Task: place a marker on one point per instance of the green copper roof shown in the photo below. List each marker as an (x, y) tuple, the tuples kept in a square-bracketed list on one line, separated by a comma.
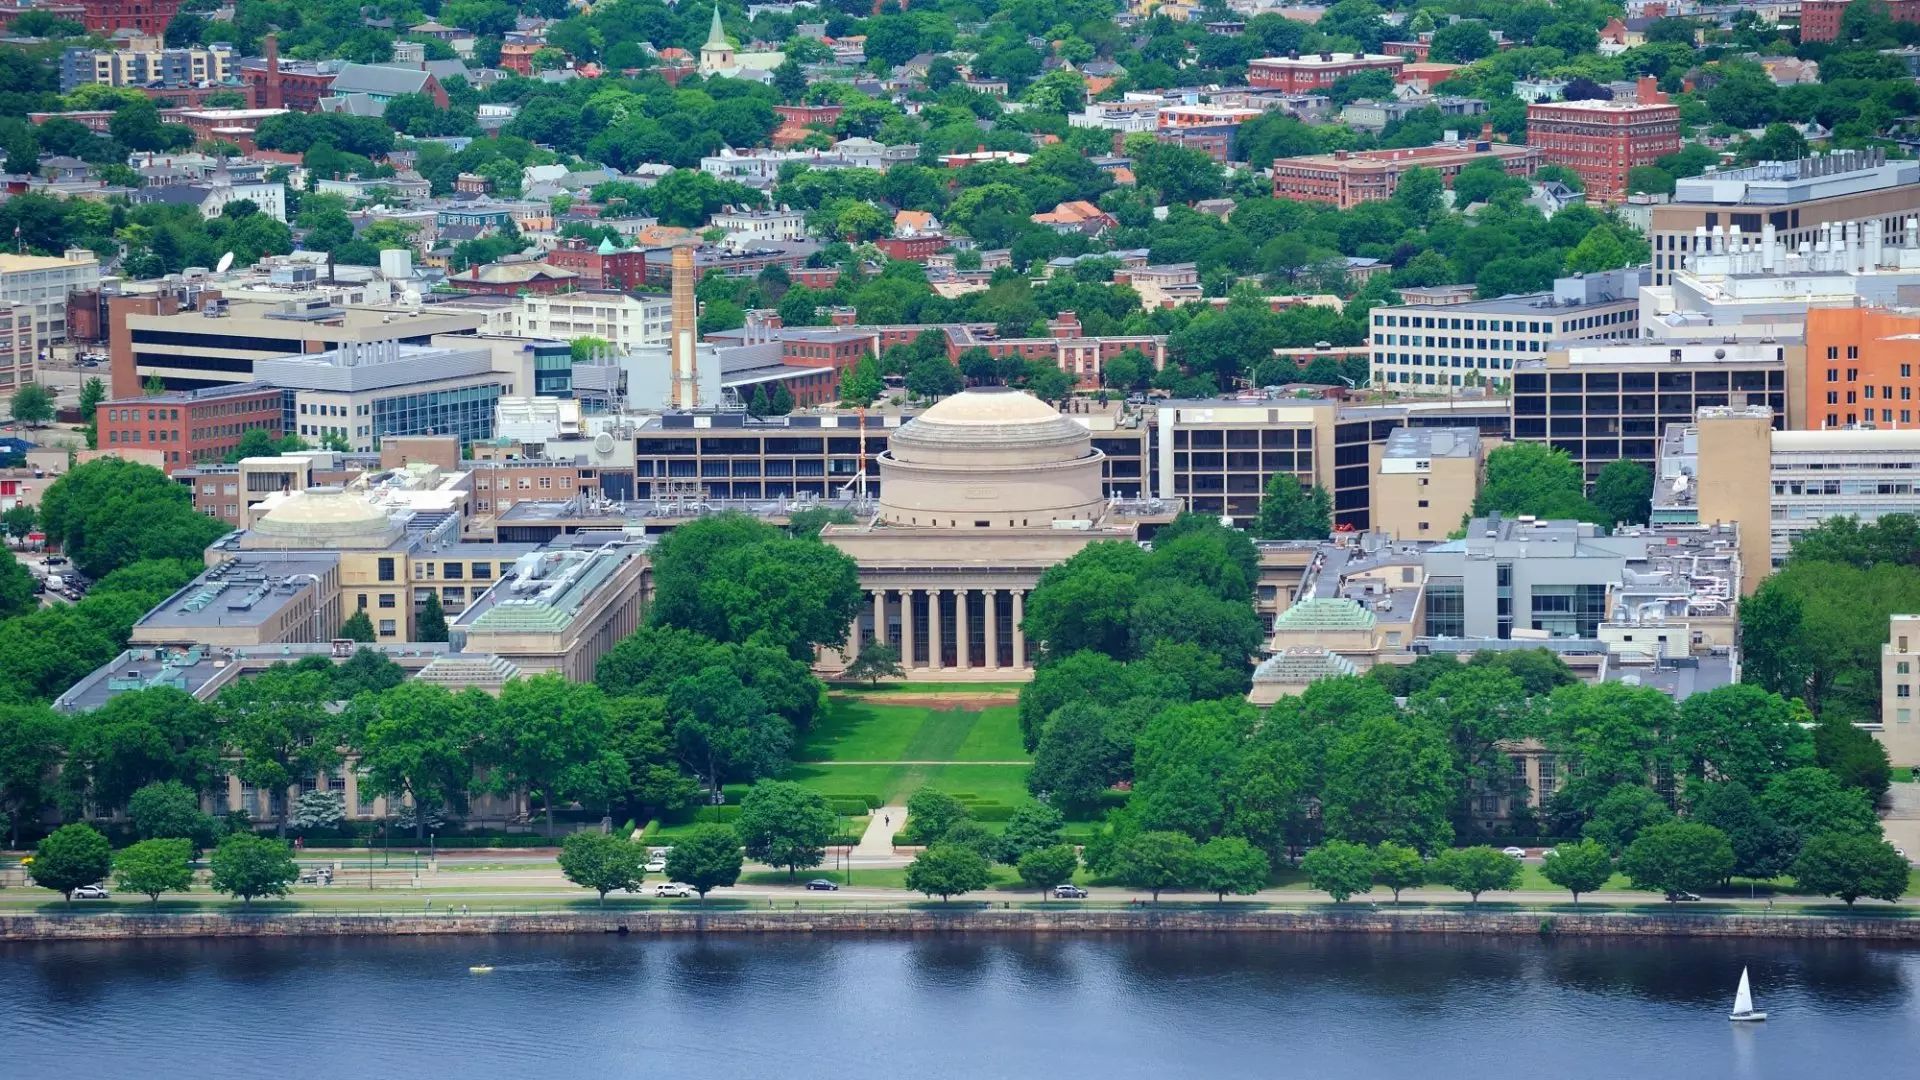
[(1325, 613)]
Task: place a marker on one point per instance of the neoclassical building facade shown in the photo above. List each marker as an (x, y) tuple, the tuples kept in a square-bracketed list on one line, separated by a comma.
[(980, 494)]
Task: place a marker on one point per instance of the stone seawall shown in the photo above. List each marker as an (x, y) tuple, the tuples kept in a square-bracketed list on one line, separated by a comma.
[(100, 926)]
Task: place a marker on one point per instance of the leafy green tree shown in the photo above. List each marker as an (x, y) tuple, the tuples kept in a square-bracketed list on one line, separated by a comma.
[(947, 871), (1598, 251), (1157, 861), (1854, 757), (1810, 801), (135, 739), (1033, 826), (152, 867), (603, 862), (735, 579), (1578, 868), (1387, 779), (1623, 813), (551, 737), (357, 627), (1475, 870), (33, 742), (16, 587), (170, 810), (69, 857), (1228, 864), (1533, 478), (1398, 867), (1761, 848), (278, 724), (32, 405), (109, 513), (707, 858), (1290, 511), (246, 866), (930, 813), (1850, 866), (415, 743), (1624, 492), (19, 520), (1340, 869), (1044, 868), (1742, 733), (875, 662), (859, 388), (432, 623), (785, 824), (806, 524), (1681, 856)]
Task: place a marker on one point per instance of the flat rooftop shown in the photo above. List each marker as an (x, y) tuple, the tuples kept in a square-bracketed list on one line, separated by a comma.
[(548, 589), (202, 671), (245, 591), (1428, 443)]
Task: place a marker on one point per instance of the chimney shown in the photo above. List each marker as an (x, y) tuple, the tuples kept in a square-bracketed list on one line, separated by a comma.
[(1647, 91), (1486, 132), (686, 330), (271, 98), (1119, 143)]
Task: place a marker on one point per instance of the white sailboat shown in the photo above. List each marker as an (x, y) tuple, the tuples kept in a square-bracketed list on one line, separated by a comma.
[(1743, 1002)]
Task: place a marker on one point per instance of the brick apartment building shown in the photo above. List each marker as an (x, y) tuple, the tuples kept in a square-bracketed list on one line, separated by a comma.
[(103, 17), (1820, 19), (1860, 368), (274, 85), (600, 266), (1603, 141), (1297, 74), (1348, 178), (190, 427)]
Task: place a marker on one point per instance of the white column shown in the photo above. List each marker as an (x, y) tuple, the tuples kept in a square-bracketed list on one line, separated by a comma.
[(1019, 635), (933, 628), (906, 627), (992, 610), (880, 616), (962, 631)]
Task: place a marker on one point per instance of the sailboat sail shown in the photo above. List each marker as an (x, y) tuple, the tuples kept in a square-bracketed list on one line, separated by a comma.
[(1743, 1000)]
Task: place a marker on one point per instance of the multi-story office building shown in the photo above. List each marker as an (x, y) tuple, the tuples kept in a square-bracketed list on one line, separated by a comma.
[(189, 427), (1423, 349), (18, 346), (1426, 481), (1797, 198), (1603, 141), (363, 392), (1348, 178), (149, 17), (44, 284), (1604, 402), (1859, 368), (1899, 690), (151, 336), (1709, 471), (1297, 73), (623, 320)]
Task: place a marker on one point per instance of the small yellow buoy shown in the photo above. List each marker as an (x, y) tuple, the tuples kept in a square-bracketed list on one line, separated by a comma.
[(481, 969)]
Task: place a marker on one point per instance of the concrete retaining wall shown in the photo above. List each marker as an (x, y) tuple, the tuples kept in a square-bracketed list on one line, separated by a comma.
[(94, 927)]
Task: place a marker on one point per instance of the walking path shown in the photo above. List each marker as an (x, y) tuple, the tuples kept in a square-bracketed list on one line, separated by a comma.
[(898, 762), (1902, 823), (877, 841)]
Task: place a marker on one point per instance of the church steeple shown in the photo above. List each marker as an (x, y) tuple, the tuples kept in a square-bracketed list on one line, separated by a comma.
[(717, 53)]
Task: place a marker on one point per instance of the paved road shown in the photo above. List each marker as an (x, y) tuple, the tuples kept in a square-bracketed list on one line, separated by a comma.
[(1902, 823)]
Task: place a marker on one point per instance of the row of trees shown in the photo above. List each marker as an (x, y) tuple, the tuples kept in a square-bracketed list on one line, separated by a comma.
[(244, 866)]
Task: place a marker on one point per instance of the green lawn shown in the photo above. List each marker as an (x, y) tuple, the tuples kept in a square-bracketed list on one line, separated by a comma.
[(865, 731), (927, 688)]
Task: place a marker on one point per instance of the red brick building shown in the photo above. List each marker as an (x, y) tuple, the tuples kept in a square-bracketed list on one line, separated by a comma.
[(1316, 71), (1348, 178), (1604, 140), (147, 16), (273, 85), (827, 348), (600, 266), (517, 57), (190, 427), (69, 12), (912, 248), (1820, 19)]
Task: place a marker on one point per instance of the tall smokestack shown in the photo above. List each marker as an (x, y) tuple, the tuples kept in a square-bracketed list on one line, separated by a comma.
[(686, 331), (270, 85)]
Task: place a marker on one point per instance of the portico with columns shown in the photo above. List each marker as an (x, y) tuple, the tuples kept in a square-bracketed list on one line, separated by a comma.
[(980, 495)]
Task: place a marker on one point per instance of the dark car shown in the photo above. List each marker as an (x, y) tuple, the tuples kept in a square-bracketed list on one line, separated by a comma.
[(823, 885), (1679, 896)]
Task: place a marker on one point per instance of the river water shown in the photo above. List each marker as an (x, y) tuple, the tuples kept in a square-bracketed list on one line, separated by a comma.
[(972, 1008)]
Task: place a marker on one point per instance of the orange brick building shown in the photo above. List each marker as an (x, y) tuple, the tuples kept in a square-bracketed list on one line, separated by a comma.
[(1298, 74), (1860, 368), (1348, 178)]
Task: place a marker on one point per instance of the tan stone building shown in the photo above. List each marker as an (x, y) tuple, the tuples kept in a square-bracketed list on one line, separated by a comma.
[(980, 495), (1426, 480)]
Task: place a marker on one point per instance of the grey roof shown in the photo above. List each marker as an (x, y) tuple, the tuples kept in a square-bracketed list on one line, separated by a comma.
[(379, 79), (353, 105), (447, 69), (1428, 443)]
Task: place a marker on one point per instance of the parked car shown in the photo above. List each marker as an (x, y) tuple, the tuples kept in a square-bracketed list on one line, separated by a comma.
[(673, 889), (821, 884), (1681, 896), (1516, 852), (656, 866), (92, 892), (1069, 892)]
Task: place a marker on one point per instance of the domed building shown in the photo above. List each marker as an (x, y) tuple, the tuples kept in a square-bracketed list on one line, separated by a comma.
[(979, 495), (324, 519), (987, 459)]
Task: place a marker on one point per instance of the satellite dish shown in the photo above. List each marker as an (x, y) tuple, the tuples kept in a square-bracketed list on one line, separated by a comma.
[(225, 264), (603, 444)]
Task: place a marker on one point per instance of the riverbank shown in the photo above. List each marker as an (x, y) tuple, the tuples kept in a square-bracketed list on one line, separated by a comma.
[(1060, 919)]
